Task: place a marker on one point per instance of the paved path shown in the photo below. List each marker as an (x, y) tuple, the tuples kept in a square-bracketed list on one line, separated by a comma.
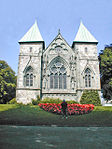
[(35, 137)]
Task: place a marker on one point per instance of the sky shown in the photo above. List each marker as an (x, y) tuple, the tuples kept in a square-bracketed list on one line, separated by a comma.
[(17, 16)]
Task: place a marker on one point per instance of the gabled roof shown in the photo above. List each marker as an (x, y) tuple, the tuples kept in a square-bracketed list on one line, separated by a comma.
[(83, 35), (33, 35), (59, 36)]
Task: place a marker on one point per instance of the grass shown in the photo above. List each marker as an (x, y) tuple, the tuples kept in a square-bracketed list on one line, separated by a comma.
[(13, 114)]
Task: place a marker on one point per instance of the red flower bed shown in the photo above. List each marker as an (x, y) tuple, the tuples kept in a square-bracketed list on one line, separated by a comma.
[(72, 109)]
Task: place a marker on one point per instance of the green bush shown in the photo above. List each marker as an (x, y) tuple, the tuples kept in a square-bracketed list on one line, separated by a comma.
[(54, 100), (50, 100), (90, 97), (35, 101), (13, 101), (38, 97), (71, 102)]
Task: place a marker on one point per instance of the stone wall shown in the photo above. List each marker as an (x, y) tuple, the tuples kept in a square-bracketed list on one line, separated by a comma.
[(25, 96), (61, 96)]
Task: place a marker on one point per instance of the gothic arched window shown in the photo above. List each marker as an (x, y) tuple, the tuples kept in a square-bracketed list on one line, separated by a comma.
[(28, 77), (58, 76), (87, 78)]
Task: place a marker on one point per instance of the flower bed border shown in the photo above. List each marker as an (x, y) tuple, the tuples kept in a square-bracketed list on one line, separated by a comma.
[(72, 109)]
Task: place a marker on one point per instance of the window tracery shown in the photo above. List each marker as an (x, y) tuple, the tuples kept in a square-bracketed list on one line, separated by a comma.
[(58, 76), (28, 77)]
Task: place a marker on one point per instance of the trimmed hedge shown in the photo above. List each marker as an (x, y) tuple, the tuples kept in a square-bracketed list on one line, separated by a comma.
[(90, 97), (51, 100)]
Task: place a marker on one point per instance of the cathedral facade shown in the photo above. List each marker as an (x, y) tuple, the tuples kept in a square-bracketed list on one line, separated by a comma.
[(58, 71)]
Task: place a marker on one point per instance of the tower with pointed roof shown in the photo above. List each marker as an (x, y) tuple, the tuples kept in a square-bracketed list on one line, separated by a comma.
[(29, 68), (59, 71), (85, 46)]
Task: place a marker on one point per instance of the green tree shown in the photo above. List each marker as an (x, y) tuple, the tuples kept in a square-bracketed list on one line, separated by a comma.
[(105, 58), (7, 82)]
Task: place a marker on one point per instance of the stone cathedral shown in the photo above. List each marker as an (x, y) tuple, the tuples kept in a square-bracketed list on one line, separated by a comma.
[(58, 71)]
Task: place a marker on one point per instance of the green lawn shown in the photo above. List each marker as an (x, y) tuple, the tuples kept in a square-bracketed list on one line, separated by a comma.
[(11, 114)]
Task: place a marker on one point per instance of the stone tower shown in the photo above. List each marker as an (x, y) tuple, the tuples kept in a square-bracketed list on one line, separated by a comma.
[(29, 82), (88, 75)]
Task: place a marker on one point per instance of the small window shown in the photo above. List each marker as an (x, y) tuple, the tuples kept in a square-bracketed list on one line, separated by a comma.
[(87, 78), (86, 50), (30, 49)]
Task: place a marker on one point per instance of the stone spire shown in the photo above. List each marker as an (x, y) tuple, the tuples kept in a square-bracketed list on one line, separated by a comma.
[(33, 35), (83, 35)]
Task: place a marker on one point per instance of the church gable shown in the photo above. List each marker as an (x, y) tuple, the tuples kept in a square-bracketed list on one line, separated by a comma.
[(58, 46), (59, 66)]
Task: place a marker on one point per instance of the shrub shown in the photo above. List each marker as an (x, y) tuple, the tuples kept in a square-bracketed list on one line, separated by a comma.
[(13, 101), (90, 97), (38, 97), (35, 102), (71, 101), (51, 100), (56, 100)]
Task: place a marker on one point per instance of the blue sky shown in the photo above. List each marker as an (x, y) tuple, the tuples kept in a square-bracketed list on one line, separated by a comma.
[(17, 16)]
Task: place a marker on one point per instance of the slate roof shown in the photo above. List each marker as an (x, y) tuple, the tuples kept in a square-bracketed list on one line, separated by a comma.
[(83, 35), (33, 35)]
